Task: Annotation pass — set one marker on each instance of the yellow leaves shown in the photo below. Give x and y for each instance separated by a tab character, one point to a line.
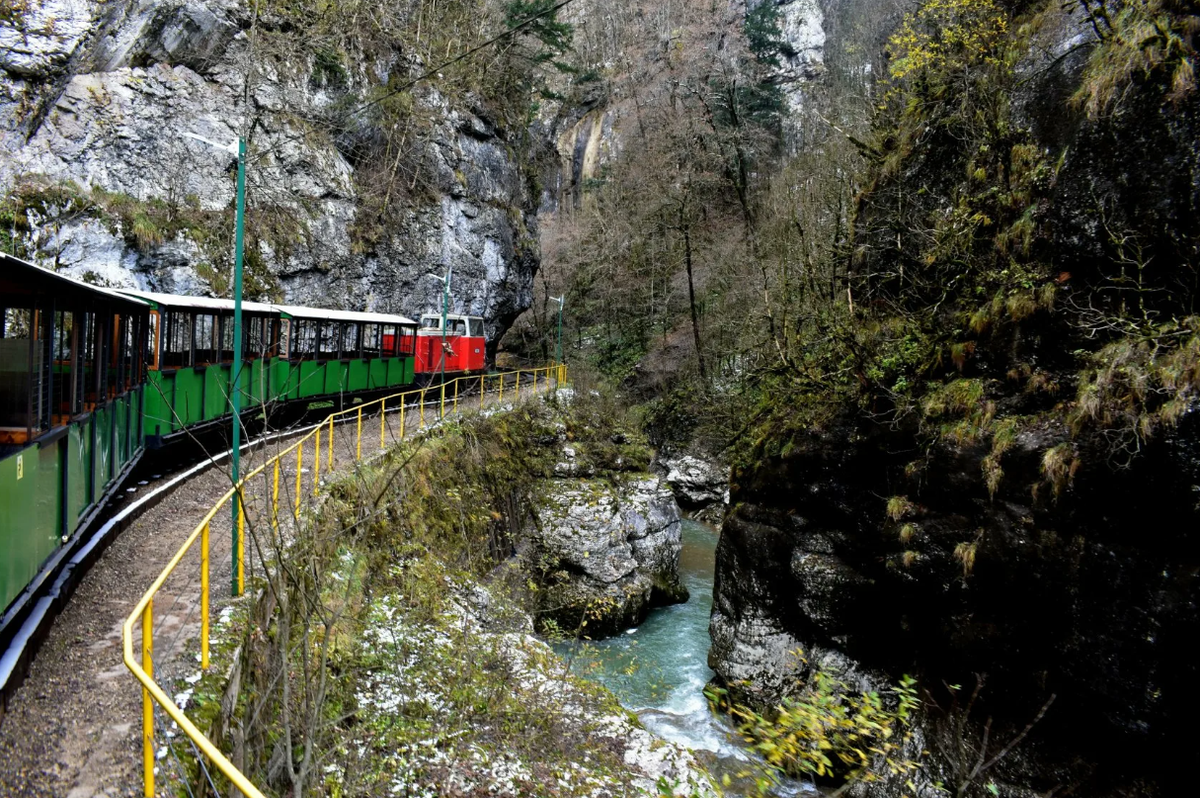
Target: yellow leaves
831	731
947	34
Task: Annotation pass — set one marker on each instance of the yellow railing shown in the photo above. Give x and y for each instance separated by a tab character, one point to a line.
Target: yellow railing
516	382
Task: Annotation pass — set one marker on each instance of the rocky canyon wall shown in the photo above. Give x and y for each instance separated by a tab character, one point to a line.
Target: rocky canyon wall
96	103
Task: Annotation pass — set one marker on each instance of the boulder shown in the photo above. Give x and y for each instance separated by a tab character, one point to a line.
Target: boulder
697	481
604	552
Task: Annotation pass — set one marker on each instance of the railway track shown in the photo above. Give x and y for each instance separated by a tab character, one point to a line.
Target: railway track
70	730
147	482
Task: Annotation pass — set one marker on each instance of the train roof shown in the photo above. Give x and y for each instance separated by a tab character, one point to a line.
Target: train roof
200	302
23	274
298	312
291	311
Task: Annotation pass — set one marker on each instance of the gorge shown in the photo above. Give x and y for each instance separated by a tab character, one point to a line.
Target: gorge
900	296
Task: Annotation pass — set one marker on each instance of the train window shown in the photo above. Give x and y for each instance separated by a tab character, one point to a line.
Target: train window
351	344
304	344
85	345
456	327
93	391
273	337
129	349
372	340
476	328
16	366
226	338
330	342
177	340
150	356
408	340
205	335
431	322
256	337
284	329
65	371
112	357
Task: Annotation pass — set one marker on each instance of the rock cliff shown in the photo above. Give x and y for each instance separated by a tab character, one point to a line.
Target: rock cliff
609	553
349	205
1008	491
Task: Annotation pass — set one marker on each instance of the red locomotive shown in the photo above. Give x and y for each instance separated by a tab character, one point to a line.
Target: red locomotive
460	352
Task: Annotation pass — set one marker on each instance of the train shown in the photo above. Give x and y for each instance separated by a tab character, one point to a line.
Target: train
92	377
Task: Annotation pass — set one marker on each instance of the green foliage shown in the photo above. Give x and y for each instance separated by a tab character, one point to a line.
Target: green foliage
554	35
1138	385
1140	41
828	730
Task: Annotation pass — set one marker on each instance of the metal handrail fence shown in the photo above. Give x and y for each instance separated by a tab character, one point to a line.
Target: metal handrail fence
447	395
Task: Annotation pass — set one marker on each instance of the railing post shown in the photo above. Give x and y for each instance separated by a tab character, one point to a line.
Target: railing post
481	387
275	497
456	381
241	533
443	410
204	598
518	386
358	446
383	420
317	463
403	405
147	702
330	444
502	388
422	403
299	473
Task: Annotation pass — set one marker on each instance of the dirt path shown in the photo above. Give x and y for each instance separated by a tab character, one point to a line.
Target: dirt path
73	729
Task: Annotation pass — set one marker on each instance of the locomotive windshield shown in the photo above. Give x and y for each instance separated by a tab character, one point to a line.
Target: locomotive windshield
431	322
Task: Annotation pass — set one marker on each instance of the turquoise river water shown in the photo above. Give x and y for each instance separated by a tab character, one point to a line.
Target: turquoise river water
659	669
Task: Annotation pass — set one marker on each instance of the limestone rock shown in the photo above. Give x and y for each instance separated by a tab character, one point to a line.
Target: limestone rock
697	481
606	553
99	96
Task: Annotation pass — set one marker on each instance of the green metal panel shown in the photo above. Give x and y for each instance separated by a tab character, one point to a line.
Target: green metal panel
257	391
30	522
378	369
358	375
157	401
396	372
102	461
335	377
216	391
285	379
121	444
312	379
77	468
188	399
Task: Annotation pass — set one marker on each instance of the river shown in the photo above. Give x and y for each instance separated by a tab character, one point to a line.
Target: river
660	668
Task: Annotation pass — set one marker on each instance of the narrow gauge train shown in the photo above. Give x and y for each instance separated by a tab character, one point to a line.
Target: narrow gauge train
90	377
460	350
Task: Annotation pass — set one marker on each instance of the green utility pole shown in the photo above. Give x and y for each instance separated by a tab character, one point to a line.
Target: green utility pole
235	393
237	148
558	340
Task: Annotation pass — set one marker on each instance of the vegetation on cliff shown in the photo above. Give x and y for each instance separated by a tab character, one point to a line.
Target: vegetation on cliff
950	343
390	648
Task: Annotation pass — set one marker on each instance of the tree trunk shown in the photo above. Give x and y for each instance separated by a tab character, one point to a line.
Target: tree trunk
687	260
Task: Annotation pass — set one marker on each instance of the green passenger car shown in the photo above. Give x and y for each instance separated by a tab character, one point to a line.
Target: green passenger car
72	376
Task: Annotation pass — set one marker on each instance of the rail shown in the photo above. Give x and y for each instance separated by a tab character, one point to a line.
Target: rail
445	393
